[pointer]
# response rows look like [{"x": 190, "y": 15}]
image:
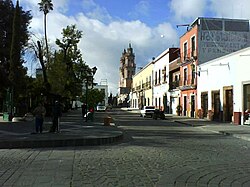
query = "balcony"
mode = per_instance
[
  {"x": 144, "y": 86},
  {"x": 138, "y": 88},
  {"x": 189, "y": 56},
  {"x": 174, "y": 85},
  {"x": 188, "y": 83}
]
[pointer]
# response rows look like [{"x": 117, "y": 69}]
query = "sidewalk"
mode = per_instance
[
  {"x": 229, "y": 129},
  {"x": 74, "y": 131}
]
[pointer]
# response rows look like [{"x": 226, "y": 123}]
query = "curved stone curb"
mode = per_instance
[{"x": 63, "y": 142}]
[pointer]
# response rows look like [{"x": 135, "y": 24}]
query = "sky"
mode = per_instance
[{"x": 109, "y": 26}]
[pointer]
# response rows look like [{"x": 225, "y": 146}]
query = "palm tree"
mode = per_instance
[{"x": 46, "y": 6}]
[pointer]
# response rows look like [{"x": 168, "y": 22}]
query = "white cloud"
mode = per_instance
[
  {"x": 187, "y": 9},
  {"x": 141, "y": 9},
  {"x": 231, "y": 8},
  {"x": 58, "y": 5},
  {"x": 95, "y": 11},
  {"x": 103, "y": 43}
]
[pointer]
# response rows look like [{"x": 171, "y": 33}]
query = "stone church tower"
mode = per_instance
[{"x": 127, "y": 70}]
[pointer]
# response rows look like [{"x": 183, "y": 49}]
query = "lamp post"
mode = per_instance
[{"x": 88, "y": 78}]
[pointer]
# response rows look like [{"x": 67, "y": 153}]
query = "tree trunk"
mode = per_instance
[
  {"x": 46, "y": 40},
  {"x": 45, "y": 78}
]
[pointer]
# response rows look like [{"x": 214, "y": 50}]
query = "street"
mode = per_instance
[{"x": 153, "y": 153}]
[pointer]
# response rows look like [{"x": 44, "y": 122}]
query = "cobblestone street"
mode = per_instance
[{"x": 153, "y": 153}]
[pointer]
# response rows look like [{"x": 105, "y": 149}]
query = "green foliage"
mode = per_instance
[
  {"x": 45, "y": 6},
  {"x": 70, "y": 58},
  {"x": 71, "y": 37},
  {"x": 68, "y": 46},
  {"x": 15, "y": 50},
  {"x": 94, "y": 97},
  {"x": 57, "y": 76},
  {"x": 22, "y": 20},
  {"x": 17, "y": 72}
]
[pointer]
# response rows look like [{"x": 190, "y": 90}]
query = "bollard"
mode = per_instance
[{"x": 107, "y": 121}]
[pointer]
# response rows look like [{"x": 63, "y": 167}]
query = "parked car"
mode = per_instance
[
  {"x": 158, "y": 114},
  {"x": 101, "y": 108},
  {"x": 148, "y": 111}
]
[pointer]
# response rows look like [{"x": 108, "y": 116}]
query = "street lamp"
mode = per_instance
[{"x": 88, "y": 78}]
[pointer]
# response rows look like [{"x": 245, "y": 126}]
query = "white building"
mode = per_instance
[
  {"x": 103, "y": 86},
  {"x": 161, "y": 96},
  {"x": 224, "y": 87}
]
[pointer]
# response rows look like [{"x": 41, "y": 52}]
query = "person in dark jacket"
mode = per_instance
[
  {"x": 57, "y": 113},
  {"x": 84, "y": 109},
  {"x": 39, "y": 113}
]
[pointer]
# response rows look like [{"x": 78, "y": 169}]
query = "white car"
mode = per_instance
[
  {"x": 101, "y": 108},
  {"x": 147, "y": 111}
]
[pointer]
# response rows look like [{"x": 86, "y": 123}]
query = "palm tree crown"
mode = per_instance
[{"x": 45, "y": 6}]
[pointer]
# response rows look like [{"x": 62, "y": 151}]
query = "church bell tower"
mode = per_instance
[{"x": 127, "y": 70}]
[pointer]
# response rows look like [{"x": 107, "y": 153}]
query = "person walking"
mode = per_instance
[
  {"x": 57, "y": 113},
  {"x": 84, "y": 110},
  {"x": 39, "y": 113},
  {"x": 91, "y": 114}
]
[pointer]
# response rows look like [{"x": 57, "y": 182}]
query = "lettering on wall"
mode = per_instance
[{"x": 214, "y": 44}]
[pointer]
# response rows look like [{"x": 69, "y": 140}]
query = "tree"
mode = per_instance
[
  {"x": 94, "y": 96},
  {"x": 16, "y": 70},
  {"x": 57, "y": 75},
  {"x": 46, "y": 6},
  {"x": 68, "y": 45},
  {"x": 71, "y": 56},
  {"x": 40, "y": 57},
  {"x": 7, "y": 12}
]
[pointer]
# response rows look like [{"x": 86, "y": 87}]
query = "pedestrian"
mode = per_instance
[
  {"x": 57, "y": 114},
  {"x": 84, "y": 110},
  {"x": 39, "y": 113},
  {"x": 91, "y": 114}
]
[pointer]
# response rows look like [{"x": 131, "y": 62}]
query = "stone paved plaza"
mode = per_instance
[{"x": 153, "y": 153}]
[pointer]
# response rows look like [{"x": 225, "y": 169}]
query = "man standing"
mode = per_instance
[
  {"x": 39, "y": 113},
  {"x": 57, "y": 113},
  {"x": 84, "y": 110}
]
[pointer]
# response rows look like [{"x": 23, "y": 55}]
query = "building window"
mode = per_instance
[
  {"x": 185, "y": 76},
  {"x": 185, "y": 51},
  {"x": 164, "y": 74},
  {"x": 156, "y": 78},
  {"x": 159, "y": 103},
  {"x": 155, "y": 102},
  {"x": 148, "y": 102},
  {"x": 159, "y": 81},
  {"x": 193, "y": 46},
  {"x": 176, "y": 77},
  {"x": 193, "y": 74}
]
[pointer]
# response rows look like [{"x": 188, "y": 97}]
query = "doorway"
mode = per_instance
[
  {"x": 228, "y": 104},
  {"x": 192, "y": 106},
  {"x": 185, "y": 106},
  {"x": 216, "y": 104},
  {"x": 204, "y": 104}
]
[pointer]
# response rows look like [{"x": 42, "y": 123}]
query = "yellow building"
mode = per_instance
[{"x": 142, "y": 92}]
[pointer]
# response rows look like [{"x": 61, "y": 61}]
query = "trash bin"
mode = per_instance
[
  {"x": 107, "y": 121},
  {"x": 6, "y": 116}
]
